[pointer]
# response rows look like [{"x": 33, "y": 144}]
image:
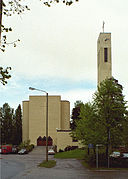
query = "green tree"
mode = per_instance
[
  {"x": 104, "y": 120},
  {"x": 18, "y": 126},
  {"x": 75, "y": 114},
  {"x": 111, "y": 109},
  {"x": 88, "y": 126},
  {"x": 7, "y": 116}
]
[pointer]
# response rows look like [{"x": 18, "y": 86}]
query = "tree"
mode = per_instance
[
  {"x": 4, "y": 75},
  {"x": 103, "y": 121},
  {"x": 11, "y": 125},
  {"x": 111, "y": 109},
  {"x": 7, "y": 115},
  {"x": 87, "y": 127},
  {"x": 18, "y": 126},
  {"x": 75, "y": 114}
]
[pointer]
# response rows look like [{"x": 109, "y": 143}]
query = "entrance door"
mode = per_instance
[{"x": 42, "y": 141}]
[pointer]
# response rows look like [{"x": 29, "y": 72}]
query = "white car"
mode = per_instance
[
  {"x": 51, "y": 152},
  {"x": 115, "y": 154},
  {"x": 125, "y": 155},
  {"x": 22, "y": 151}
]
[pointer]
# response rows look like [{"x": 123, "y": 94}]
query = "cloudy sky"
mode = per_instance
[{"x": 58, "y": 49}]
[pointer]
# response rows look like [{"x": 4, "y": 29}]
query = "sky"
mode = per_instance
[{"x": 57, "y": 51}]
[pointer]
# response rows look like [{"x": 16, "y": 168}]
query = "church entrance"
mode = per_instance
[{"x": 42, "y": 141}]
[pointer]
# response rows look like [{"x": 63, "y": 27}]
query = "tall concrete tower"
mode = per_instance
[{"x": 104, "y": 61}]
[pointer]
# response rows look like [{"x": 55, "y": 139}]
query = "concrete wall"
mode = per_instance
[
  {"x": 104, "y": 68},
  {"x": 64, "y": 139},
  {"x": 34, "y": 117},
  {"x": 65, "y": 115},
  {"x": 25, "y": 122}
]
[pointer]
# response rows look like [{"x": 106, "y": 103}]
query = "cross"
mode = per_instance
[{"x": 103, "y": 26}]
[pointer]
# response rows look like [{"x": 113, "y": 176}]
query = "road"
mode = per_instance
[{"x": 26, "y": 167}]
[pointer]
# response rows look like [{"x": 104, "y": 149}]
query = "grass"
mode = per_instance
[
  {"x": 81, "y": 154},
  {"x": 49, "y": 164},
  {"x": 77, "y": 154}
]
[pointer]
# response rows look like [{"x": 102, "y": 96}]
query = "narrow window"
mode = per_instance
[{"x": 105, "y": 54}]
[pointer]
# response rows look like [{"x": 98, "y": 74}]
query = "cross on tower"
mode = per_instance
[{"x": 103, "y": 26}]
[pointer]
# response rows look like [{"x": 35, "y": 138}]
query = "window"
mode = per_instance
[{"x": 105, "y": 54}]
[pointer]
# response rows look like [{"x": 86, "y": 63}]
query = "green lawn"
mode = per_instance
[
  {"x": 49, "y": 164},
  {"x": 77, "y": 154}
]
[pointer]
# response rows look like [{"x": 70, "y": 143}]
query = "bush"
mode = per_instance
[
  {"x": 68, "y": 148},
  {"x": 119, "y": 162},
  {"x": 26, "y": 145},
  {"x": 60, "y": 150}
]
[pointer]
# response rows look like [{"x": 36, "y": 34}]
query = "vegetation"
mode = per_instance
[
  {"x": 49, "y": 164},
  {"x": 26, "y": 145},
  {"x": 75, "y": 114},
  {"x": 77, "y": 153},
  {"x": 11, "y": 125},
  {"x": 104, "y": 120},
  {"x": 4, "y": 75}
]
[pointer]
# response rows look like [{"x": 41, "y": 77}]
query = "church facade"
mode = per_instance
[{"x": 34, "y": 121}]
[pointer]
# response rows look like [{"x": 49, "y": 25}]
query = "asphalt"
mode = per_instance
[{"x": 64, "y": 169}]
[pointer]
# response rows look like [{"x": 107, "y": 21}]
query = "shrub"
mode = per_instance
[
  {"x": 119, "y": 162},
  {"x": 68, "y": 148},
  {"x": 60, "y": 150},
  {"x": 26, "y": 145}
]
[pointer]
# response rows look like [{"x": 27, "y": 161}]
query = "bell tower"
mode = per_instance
[{"x": 104, "y": 61}]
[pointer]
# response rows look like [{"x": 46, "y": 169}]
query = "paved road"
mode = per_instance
[{"x": 27, "y": 168}]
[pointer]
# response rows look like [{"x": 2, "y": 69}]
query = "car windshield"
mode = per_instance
[{"x": 116, "y": 153}]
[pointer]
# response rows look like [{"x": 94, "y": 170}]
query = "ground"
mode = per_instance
[{"x": 26, "y": 167}]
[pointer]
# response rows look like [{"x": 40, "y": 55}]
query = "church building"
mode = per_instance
[
  {"x": 34, "y": 109},
  {"x": 34, "y": 121}
]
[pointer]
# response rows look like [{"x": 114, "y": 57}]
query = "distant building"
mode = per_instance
[
  {"x": 34, "y": 121},
  {"x": 104, "y": 61}
]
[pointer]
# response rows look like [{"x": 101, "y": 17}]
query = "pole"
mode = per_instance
[
  {"x": 108, "y": 146},
  {"x": 96, "y": 156},
  {"x": 46, "y": 127}
]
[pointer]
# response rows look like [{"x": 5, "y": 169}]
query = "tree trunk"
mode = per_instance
[{"x": 94, "y": 150}]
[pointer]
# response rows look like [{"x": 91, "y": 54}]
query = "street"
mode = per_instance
[{"x": 26, "y": 167}]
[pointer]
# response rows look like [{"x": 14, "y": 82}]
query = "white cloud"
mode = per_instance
[{"x": 61, "y": 41}]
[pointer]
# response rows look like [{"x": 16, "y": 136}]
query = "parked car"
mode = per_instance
[
  {"x": 6, "y": 149},
  {"x": 115, "y": 154},
  {"x": 23, "y": 151},
  {"x": 0, "y": 151},
  {"x": 51, "y": 152},
  {"x": 125, "y": 155},
  {"x": 14, "y": 150}
]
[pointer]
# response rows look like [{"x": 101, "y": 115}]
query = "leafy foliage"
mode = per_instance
[
  {"x": 8, "y": 8},
  {"x": 4, "y": 75},
  {"x": 104, "y": 120},
  {"x": 11, "y": 125},
  {"x": 66, "y": 2},
  {"x": 75, "y": 114}
]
